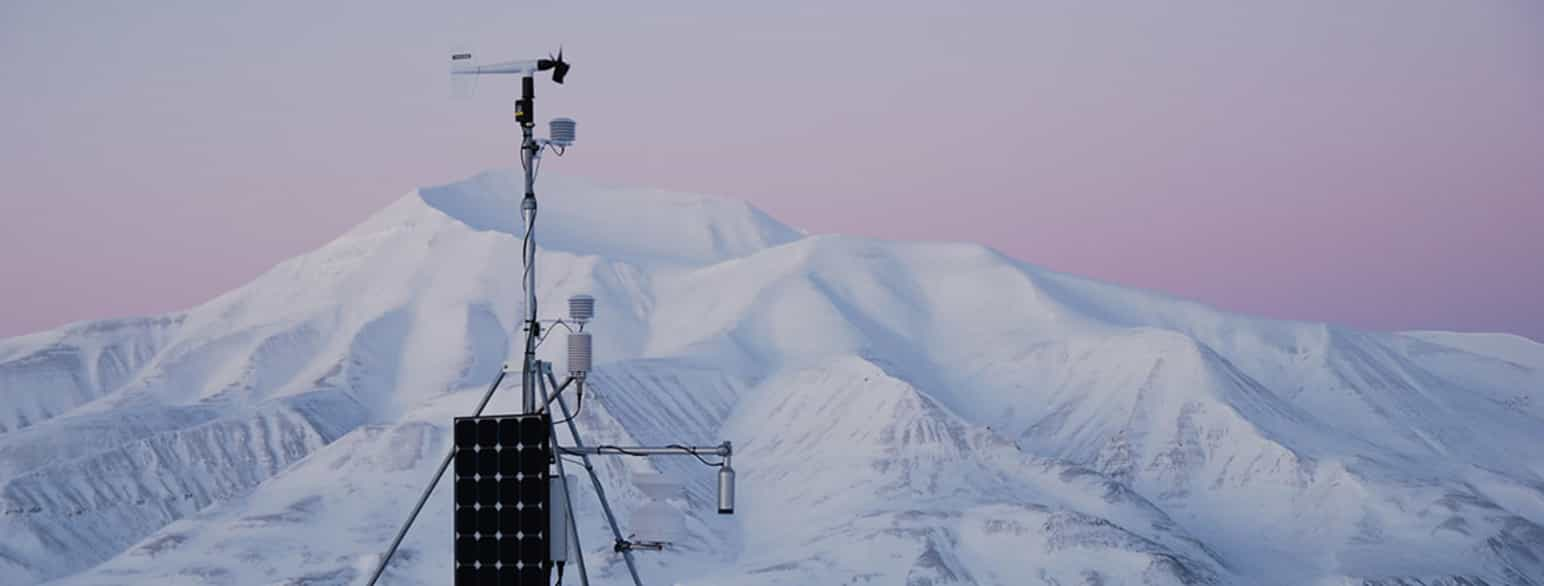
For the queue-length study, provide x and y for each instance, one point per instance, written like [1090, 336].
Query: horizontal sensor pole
[719, 450]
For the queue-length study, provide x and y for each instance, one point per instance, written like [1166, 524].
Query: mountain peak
[585, 217]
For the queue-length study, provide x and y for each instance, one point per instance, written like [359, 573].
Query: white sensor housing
[581, 308]
[579, 358]
[560, 132]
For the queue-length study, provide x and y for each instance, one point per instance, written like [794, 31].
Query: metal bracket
[624, 545]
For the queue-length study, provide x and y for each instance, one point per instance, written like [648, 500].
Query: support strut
[424, 498]
[600, 492]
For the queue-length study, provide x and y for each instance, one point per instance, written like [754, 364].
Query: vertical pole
[600, 492]
[526, 116]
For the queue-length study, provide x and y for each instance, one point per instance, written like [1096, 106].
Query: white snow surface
[917, 413]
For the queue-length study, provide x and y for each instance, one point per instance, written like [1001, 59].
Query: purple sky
[1373, 163]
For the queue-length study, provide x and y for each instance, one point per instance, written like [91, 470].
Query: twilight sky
[1373, 163]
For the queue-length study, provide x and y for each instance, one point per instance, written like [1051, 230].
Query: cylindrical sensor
[725, 489]
[579, 358]
[561, 131]
[557, 518]
[581, 308]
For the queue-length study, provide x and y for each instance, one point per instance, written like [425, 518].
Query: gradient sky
[1373, 163]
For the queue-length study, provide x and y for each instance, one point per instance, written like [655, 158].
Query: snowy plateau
[917, 413]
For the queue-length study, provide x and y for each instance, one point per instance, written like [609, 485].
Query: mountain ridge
[1071, 430]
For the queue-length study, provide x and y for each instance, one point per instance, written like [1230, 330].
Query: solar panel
[501, 497]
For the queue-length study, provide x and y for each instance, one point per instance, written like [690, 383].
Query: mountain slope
[921, 413]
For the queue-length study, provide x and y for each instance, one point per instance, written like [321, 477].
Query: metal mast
[558, 523]
[529, 149]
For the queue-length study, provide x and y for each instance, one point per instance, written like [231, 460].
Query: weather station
[514, 520]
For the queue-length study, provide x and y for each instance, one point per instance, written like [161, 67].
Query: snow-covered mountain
[903, 413]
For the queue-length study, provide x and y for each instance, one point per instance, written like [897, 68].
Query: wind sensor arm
[461, 64]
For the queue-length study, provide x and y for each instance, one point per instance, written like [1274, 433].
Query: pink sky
[1376, 163]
